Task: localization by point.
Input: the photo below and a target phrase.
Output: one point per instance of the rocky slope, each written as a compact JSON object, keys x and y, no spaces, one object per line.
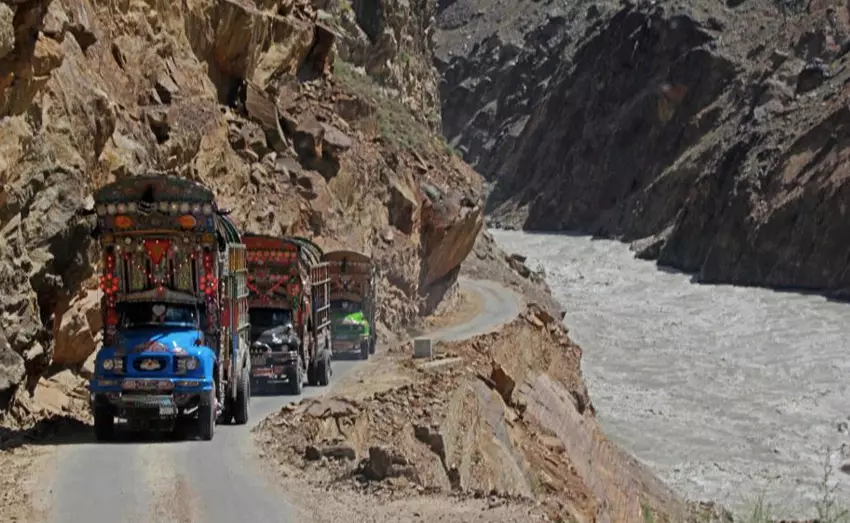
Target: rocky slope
{"x":711,"y":134}
{"x":514,"y":428}
{"x":240,"y":95}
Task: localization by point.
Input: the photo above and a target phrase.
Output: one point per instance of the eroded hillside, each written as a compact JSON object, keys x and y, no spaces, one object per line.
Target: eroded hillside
{"x":241,"y":96}
{"x":712,"y":134}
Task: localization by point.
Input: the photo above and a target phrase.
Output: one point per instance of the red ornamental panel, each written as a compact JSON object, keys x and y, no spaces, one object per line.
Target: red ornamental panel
{"x":157,"y":249}
{"x":225,"y":315}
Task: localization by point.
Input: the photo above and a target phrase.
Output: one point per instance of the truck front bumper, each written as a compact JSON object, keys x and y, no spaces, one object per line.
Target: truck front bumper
{"x":149,"y":398}
{"x":273,"y":369}
{"x":349,"y":343}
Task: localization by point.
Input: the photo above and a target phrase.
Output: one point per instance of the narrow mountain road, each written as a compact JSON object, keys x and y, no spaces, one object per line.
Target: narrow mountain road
{"x":167,"y":481}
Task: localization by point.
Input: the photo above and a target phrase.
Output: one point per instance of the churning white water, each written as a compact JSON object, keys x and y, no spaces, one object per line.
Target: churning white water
{"x":727,"y":393}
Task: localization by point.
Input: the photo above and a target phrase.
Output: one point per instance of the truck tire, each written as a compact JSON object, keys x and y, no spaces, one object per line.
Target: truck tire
{"x":227,"y":411}
{"x":206,"y":418}
{"x":296,"y":386}
{"x":243,"y":396}
{"x":323,"y":370}
{"x":371,"y":345}
{"x":364,"y":350}
{"x":104,"y":423}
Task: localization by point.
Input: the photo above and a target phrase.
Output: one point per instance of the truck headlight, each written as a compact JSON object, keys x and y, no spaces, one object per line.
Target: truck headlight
{"x":187,"y":363}
{"x":112,"y":364}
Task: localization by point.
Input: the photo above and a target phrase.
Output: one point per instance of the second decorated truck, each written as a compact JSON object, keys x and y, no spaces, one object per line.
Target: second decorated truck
{"x":290,"y":313}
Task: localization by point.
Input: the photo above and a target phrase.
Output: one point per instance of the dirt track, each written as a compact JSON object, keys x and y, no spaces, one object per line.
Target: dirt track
{"x":724,"y":391}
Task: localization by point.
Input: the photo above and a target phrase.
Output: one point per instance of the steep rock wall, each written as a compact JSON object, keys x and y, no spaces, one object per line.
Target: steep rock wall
{"x":238,"y":95}
{"x":710,"y":135}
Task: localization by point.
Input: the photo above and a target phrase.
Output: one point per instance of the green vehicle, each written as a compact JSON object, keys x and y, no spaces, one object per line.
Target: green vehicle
{"x":352,"y":297}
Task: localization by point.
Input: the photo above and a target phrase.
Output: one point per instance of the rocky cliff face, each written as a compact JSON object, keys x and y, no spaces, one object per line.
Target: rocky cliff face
{"x":711,"y":135}
{"x":242,"y":96}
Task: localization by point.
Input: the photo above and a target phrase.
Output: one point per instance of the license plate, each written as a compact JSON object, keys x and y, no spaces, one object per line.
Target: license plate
{"x":166,"y":410}
{"x":278,"y":369}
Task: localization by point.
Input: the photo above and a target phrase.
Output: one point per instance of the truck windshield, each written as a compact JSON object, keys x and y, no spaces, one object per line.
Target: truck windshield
{"x":345,"y":306}
{"x":139,"y":315}
{"x":269,"y":317}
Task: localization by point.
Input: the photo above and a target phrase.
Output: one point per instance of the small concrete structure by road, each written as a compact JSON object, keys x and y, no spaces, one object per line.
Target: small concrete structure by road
{"x":422,"y":348}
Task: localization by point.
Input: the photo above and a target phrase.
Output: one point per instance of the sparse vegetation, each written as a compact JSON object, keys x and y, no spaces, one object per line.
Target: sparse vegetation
{"x":396,"y":123}
{"x":346,"y":8}
{"x":828,"y":508}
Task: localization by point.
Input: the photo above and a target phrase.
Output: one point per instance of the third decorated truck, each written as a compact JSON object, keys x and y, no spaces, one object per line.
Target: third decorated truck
{"x":352,"y":300}
{"x":289,"y":309}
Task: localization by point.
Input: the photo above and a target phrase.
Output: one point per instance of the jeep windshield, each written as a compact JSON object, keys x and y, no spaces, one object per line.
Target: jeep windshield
{"x":146,"y":315}
{"x":343,"y":307}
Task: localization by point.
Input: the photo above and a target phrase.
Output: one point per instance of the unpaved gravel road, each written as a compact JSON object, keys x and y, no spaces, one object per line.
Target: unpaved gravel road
{"x":726,"y":392}
{"x":195,"y":481}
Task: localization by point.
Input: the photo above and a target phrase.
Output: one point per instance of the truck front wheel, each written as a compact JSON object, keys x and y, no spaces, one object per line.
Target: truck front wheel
{"x":364,"y":350}
{"x":206,"y":417}
{"x":243,"y":395}
{"x":296,"y":381}
{"x":104,"y":422}
{"x":323,"y":370}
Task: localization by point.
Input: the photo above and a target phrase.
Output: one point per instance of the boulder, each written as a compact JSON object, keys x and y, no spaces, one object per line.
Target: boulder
{"x":12,"y":371}
{"x":76,"y":331}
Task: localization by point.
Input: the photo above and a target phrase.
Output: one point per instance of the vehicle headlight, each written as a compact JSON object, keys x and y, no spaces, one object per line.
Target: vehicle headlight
{"x":276,"y":339}
{"x":187,"y":363}
{"x":110,"y":364}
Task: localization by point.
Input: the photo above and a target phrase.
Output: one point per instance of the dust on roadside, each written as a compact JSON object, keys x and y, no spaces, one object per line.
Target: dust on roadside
{"x":57,"y":413}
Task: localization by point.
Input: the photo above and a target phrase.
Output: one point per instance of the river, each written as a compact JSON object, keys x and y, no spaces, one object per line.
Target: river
{"x":728,"y":393}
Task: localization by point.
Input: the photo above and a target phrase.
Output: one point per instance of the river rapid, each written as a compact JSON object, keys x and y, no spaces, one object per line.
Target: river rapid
{"x":728,"y":393}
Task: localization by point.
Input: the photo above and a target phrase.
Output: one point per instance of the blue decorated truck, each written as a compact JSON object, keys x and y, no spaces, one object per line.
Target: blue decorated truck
{"x":174,"y":302}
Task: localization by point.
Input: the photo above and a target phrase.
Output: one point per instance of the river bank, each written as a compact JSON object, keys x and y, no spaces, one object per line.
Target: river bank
{"x":727,"y":393}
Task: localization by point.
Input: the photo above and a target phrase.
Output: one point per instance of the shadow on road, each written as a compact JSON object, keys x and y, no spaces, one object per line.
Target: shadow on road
{"x":346,"y":356}
{"x":56,"y":430}
{"x":66,"y":430}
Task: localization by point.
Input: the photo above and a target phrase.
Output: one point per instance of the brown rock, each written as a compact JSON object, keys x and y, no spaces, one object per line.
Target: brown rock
{"x":340,"y":451}
{"x":320,"y":60}
{"x":76,"y":330}
{"x":502,"y":382}
{"x":254,"y":138}
{"x":402,"y":206}
{"x":165,"y":87}
{"x":334,"y":141}
{"x":48,"y":56}
{"x":308,"y":139}
{"x":263,"y":110}
{"x":7,"y":30}
{"x":12,"y":371}
{"x":159,"y":123}
{"x":312,"y":453}
{"x":383,"y":462}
